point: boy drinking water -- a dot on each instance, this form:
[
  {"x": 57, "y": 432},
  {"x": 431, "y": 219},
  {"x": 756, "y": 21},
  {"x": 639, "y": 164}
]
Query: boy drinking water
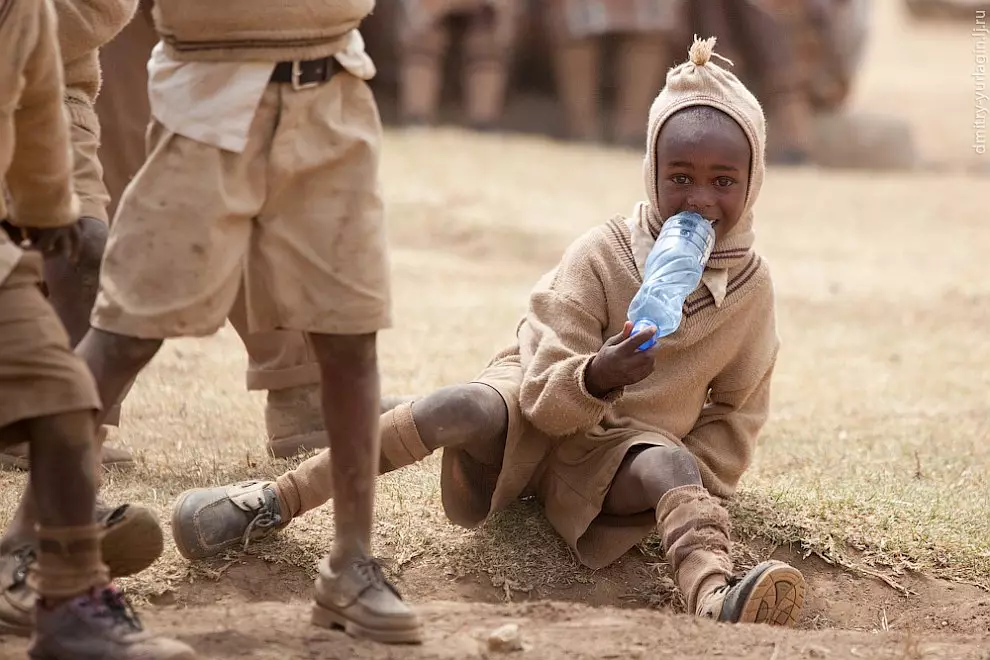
[
  {"x": 613, "y": 442},
  {"x": 49, "y": 400}
]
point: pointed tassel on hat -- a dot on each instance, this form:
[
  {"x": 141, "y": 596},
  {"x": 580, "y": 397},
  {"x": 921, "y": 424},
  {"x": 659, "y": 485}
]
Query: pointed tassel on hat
[{"x": 702, "y": 50}]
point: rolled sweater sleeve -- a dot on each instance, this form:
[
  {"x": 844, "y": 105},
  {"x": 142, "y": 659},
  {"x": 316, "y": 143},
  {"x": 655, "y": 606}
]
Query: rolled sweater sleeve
[
  {"x": 562, "y": 332},
  {"x": 84, "y": 26},
  {"x": 40, "y": 180},
  {"x": 724, "y": 437}
]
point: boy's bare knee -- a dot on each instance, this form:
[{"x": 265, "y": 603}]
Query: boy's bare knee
[
  {"x": 661, "y": 469},
  {"x": 682, "y": 467},
  {"x": 479, "y": 406},
  {"x": 461, "y": 414}
]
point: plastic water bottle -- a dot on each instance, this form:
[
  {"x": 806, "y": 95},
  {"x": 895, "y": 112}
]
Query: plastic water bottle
[{"x": 673, "y": 270}]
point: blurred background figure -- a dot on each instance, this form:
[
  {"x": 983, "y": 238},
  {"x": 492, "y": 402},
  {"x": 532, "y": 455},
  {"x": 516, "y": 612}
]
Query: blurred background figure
[
  {"x": 426, "y": 27},
  {"x": 645, "y": 31}
]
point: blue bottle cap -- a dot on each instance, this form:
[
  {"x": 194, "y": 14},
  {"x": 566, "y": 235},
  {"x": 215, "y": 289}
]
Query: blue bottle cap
[{"x": 641, "y": 325}]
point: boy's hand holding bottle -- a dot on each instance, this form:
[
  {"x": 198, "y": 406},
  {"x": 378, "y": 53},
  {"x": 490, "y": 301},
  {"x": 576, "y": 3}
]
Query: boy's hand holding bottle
[{"x": 619, "y": 363}]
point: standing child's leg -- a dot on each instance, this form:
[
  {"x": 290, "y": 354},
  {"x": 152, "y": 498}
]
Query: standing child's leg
[
  {"x": 695, "y": 531},
  {"x": 351, "y": 591},
  {"x": 79, "y": 613}
]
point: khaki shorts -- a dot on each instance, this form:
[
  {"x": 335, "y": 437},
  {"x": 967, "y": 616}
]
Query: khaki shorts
[
  {"x": 40, "y": 376},
  {"x": 297, "y": 218}
]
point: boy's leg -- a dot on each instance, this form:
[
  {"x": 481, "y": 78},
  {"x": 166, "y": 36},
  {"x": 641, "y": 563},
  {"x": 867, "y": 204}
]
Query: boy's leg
[
  {"x": 79, "y": 613},
  {"x": 695, "y": 530},
  {"x": 576, "y": 72},
  {"x": 283, "y": 363},
  {"x": 643, "y": 59},
  {"x": 208, "y": 521},
  {"x": 488, "y": 43},
  {"x": 421, "y": 58},
  {"x": 351, "y": 590}
]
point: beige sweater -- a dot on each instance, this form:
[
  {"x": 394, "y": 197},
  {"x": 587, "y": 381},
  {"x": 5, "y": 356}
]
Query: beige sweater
[
  {"x": 257, "y": 29},
  {"x": 710, "y": 390},
  {"x": 35, "y": 160}
]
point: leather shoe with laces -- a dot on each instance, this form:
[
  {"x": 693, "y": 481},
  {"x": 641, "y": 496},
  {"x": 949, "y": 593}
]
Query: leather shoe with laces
[{"x": 364, "y": 603}]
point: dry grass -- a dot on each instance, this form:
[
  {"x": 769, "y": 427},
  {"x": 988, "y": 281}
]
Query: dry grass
[{"x": 877, "y": 454}]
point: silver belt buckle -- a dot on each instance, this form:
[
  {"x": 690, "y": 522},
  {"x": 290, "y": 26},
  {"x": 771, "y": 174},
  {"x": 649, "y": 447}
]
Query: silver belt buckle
[{"x": 296, "y": 74}]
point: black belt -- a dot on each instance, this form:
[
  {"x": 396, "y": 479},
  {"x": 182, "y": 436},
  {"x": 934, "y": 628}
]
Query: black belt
[{"x": 308, "y": 73}]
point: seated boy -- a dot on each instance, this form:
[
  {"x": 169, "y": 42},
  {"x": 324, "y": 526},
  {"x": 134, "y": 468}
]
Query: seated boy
[
  {"x": 261, "y": 180},
  {"x": 49, "y": 399},
  {"x": 613, "y": 442}
]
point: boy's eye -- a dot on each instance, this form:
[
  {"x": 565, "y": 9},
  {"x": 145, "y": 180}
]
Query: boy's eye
[
  {"x": 681, "y": 178},
  {"x": 724, "y": 181}
]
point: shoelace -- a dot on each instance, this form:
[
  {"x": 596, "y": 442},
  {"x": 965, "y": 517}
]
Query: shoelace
[
  {"x": 24, "y": 557},
  {"x": 371, "y": 570},
  {"x": 265, "y": 521},
  {"x": 119, "y": 610}
]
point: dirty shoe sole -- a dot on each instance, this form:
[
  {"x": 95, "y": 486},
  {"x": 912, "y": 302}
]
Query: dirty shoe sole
[
  {"x": 776, "y": 596},
  {"x": 133, "y": 540},
  {"x": 325, "y": 617}
]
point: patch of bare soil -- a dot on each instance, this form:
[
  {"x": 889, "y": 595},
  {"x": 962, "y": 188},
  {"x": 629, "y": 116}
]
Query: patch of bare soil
[
  {"x": 255, "y": 609},
  {"x": 548, "y": 631}
]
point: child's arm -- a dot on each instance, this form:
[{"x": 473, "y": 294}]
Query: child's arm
[
  {"x": 724, "y": 437},
  {"x": 84, "y": 134},
  {"x": 84, "y": 26},
  {"x": 560, "y": 336},
  {"x": 40, "y": 178}
]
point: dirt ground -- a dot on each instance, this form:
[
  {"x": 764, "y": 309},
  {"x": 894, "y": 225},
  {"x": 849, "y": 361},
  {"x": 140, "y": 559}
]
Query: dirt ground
[{"x": 872, "y": 476}]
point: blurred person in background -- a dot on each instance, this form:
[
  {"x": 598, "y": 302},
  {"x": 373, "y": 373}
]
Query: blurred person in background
[
  {"x": 646, "y": 31},
  {"x": 425, "y": 31}
]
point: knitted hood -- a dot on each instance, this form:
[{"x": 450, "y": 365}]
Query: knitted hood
[{"x": 699, "y": 81}]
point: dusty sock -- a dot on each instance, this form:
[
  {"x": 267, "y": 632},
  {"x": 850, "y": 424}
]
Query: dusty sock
[
  {"x": 310, "y": 486},
  {"x": 695, "y": 531},
  {"x": 69, "y": 562}
]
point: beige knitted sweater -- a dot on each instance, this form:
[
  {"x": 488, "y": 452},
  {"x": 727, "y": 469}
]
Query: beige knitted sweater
[
  {"x": 35, "y": 161},
  {"x": 711, "y": 387},
  {"x": 257, "y": 29}
]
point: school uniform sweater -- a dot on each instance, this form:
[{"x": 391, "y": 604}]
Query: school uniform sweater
[
  {"x": 194, "y": 30},
  {"x": 710, "y": 389},
  {"x": 35, "y": 160}
]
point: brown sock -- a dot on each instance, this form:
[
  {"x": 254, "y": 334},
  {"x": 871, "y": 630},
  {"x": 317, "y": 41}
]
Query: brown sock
[
  {"x": 69, "y": 562},
  {"x": 695, "y": 531},
  {"x": 310, "y": 486}
]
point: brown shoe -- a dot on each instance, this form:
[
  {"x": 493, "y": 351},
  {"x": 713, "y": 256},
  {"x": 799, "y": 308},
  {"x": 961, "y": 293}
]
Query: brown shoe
[
  {"x": 361, "y": 601},
  {"x": 16, "y": 457},
  {"x": 17, "y": 599},
  {"x": 102, "y": 625},
  {"x": 209, "y": 521},
  {"x": 771, "y": 593},
  {"x": 133, "y": 539}
]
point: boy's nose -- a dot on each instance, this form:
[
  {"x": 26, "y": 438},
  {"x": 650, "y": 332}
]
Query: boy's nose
[{"x": 699, "y": 202}]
